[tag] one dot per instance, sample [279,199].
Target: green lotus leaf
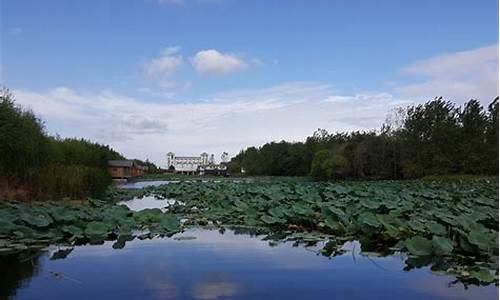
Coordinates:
[36,219]
[22,232]
[416,225]
[73,230]
[62,214]
[276,212]
[333,224]
[96,230]
[482,239]
[436,228]
[148,216]
[369,219]
[419,246]
[341,190]
[124,230]
[271,220]
[483,275]
[302,209]
[442,245]
[170,223]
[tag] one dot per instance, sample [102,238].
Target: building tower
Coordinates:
[224,157]
[170,160]
[204,159]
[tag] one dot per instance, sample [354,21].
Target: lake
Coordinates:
[223,266]
[202,263]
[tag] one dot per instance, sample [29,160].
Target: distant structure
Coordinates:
[224,158]
[186,164]
[125,169]
[194,165]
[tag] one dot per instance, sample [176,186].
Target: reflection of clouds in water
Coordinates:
[138,204]
[214,287]
[440,287]
[230,246]
[162,288]
[214,290]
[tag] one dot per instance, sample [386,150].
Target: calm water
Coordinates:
[222,266]
[143,184]
[137,204]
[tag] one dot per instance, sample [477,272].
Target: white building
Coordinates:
[187,164]
[203,164]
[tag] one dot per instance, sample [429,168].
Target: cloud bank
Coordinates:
[457,76]
[228,121]
[234,119]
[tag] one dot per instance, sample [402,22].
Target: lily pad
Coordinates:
[419,246]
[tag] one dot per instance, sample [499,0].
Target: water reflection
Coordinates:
[224,265]
[15,273]
[143,184]
[138,204]
[215,286]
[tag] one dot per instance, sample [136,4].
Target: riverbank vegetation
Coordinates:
[37,166]
[435,138]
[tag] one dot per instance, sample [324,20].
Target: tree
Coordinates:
[491,138]
[472,138]
[328,165]
[436,137]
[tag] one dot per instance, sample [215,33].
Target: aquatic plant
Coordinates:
[451,226]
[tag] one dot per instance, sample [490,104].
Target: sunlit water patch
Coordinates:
[141,203]
[143,184]
[204,264]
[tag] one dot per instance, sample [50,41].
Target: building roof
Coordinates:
[121,163]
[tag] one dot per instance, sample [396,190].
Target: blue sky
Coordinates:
[220,70]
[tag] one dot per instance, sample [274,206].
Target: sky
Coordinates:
[191,76]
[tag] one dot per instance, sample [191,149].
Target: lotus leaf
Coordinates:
[419,246]
[442,245]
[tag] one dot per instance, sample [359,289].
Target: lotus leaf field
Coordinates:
[450,226]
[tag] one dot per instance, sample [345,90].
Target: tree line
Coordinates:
[40,166]
[434,138]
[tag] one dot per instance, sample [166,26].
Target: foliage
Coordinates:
[435,138]
[326,165]
[29,228]
[48,167]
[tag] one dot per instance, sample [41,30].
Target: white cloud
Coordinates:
[457,76]
[227,121]
[164,67]
[214,62]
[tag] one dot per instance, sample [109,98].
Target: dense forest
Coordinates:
[435,138]
[34,165]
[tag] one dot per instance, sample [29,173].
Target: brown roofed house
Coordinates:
[124,169]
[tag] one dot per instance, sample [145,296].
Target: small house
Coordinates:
[124,169]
